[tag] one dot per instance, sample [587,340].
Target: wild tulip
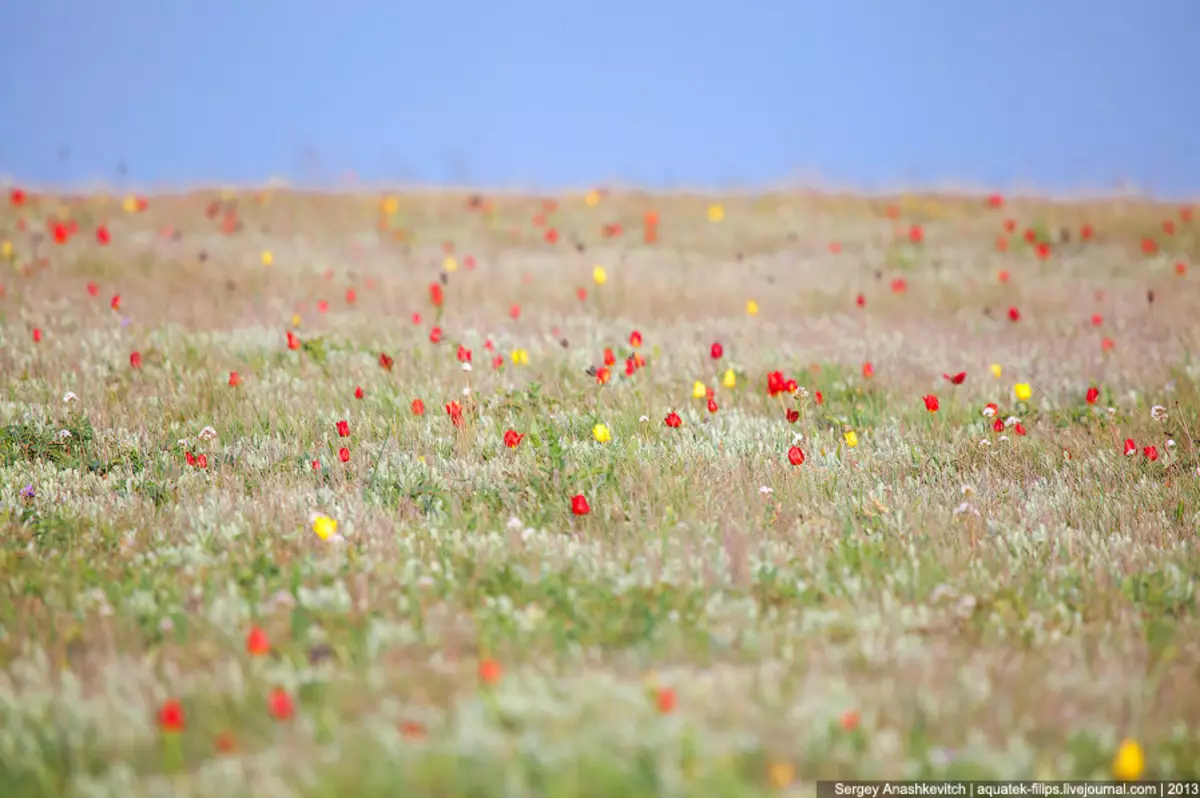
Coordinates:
[280,704]
[418,407]
[257,643]
[512,438]
[171,717]
[579,504]
[1093,394]
[344,454]
[955,379]
[795,456]
[931,403]
[673,420]
[343,429]
[716,351]
[135,360]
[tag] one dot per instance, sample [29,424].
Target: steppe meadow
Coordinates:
[608,493]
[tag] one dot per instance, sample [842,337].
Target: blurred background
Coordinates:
[1061,96]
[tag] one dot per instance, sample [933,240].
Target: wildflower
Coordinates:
[599,275]
[463,354]
[1022,391]
[385,361]
[712,405]
[955,379]
[1014,314]
[520,357]
[699,391]
[579,504]
[860,301]
[490,671]
[323,526]
[996,370]
[1093,394]
[207,434]
[293,342]
[512,438]
[358,392]
[343,429]
[931,403]
[455,411]
[344,454]
[730,379]
[267,257]
[716,351]
[280,704]
[795,456]
[69,397]
[601,434]
[135,360]
[170,716]
[418,407]
[673,420]
[235,379]
[1158,413]
[435,335]
[851,438]
[765,491]
[436,295]
[664,700]
[635,339]
[609,358]
[1130,448]
[791,415]
[751,307]
[1129,761]
[781,774]
[868,371]
[28,492]
[1151,453]
[990,410]
[257,643]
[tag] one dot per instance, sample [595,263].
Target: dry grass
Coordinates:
[941,599]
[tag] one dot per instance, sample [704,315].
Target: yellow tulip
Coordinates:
[6,249]
[730,379]
[699,391]
[751,307]
[390,205]
[592,198]
[716,213]
[450,264]
[851,438]
[296,320]
[130,204]
[1022,391]
[1129,762]
[599,276]
[324,527]
[520,357]
[267,257]
[996,370]
[601,434]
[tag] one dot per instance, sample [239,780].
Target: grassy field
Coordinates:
[211,586]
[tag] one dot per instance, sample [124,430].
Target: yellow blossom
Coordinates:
[6,249]
[592,198]
[296,320]
[450,264]
[781,774]
[599,276]
[698,390]
[751,307]
[996,370]
[1129,762]
[601,434]
[1022,391]
[324,527]
[130,204]
[520,357]
[390,205]
[716,213]
[730,379]
[851,438]
[268,257]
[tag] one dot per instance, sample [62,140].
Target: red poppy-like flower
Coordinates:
[17,197]
[316,465]
[1106,344]
[343,429]
[93,289]
[115,302]
[1087,232]
[712,405]
[1151,453]
[292,341]
[868,370]
[322,306]
[257,642]
[609,358]
[225,743]
[673,420]
[37,335]
[551,236]
[497,362]
[998,426]
[435,335]
[418,407]
[190,459]
[1181,268]
[170,716]
[579,504]
[931,403]
[604,373]
[1130,447]
[795,456]
[358,392]
[235,379]
[1014,313]
[135,360]
[1010,225]
[61,233]
[436,295]
[899,285]
[819,398]
[860,301]
[463,354]
[1019,428]
[512,438]
[1042,251]
[955,379]
[716,351]
[351,296]
[344,454]
[1149,246]
[1093,393]
[995,201]
[455,411]
[102,235]
[635,339]
[775,383]
[490,671]
[581,294]
[916,234]
[515,312]
[1097,319]
[792,415]
[664,700]
[386,361]
[280,704]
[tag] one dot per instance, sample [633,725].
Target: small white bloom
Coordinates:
[207,434]
[801,391]
[1011,420]
[467,391]
[1170,443]
[1158,413]
[797,437]
[1112,411]
[70,396]
[985,442]
[643,419]
[466,366]
[989,411]
[1002,438]
[515,523]
[967,490]
[766,490]
[527,533]
[965,508]
[64,434]
[182,443]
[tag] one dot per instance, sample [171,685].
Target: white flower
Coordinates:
[1170,443]
[965,508]
[207,434]
[801,391]
[182,443]
[797,437]
[643,419]
[1112,411]
[69,397]
[765,490]
[989,411]
[467,391]
[64,434]
[466,366]
[967,490]
[985,442]
[1158,413]
[515,523]
[1002,438]
[1011,420]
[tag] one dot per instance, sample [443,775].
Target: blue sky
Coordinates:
[1061,95]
